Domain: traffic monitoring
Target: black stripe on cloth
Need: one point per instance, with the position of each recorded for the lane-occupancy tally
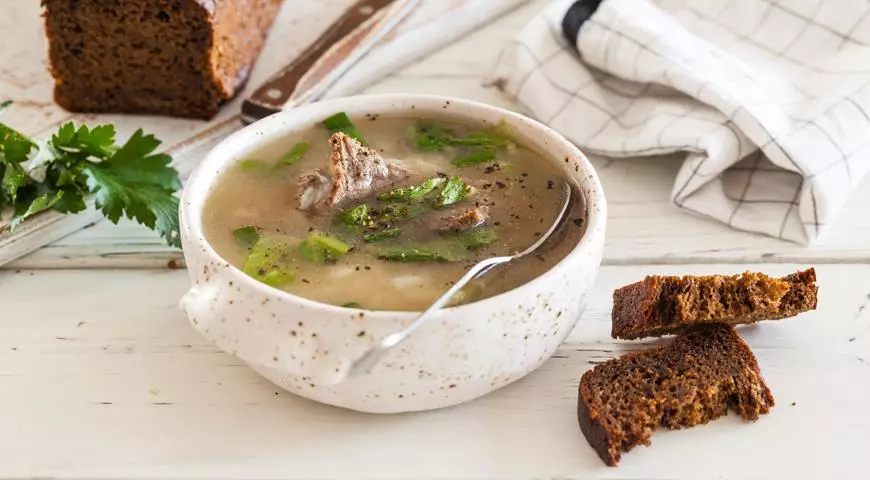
(576, 16)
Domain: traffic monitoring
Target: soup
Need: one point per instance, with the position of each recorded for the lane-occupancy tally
(387, 213)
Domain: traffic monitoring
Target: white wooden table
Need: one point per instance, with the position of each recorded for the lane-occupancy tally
(101, 375)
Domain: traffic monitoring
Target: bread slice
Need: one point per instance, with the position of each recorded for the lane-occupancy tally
(691, 381)
(666, 305)
(179, 58)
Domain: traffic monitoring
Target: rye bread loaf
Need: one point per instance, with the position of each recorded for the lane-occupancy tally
(179, 58)
(690, 381)
(662, 305)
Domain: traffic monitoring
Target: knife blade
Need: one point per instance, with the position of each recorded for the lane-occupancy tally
(364, 16)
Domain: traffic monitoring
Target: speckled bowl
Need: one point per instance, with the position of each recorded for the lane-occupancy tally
(465, 352)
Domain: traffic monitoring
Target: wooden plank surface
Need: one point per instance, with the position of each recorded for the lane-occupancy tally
(644, 226)
(102, 377)
(109, 380)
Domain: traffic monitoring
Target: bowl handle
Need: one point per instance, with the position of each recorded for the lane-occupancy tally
(198, 305)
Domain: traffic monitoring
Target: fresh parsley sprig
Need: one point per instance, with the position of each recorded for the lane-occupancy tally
(128, 180)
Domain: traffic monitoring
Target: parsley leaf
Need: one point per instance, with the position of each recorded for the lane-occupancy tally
(295, 154)
(432, 138)
(39, 204)
(247, 236)
(474, 158)
(129, 180)
(456, 190)
(340, 122)
(271, 261)
(414, 192)
(16, 147)
(72, 201)
(96, 142)
(14, 178)
(138, 185)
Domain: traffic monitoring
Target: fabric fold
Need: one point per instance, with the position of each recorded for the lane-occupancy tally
(768, 100)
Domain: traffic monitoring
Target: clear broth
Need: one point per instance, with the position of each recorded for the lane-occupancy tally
(526, 192)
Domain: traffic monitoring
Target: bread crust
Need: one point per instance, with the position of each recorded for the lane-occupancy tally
(590, 424)
(665, 305)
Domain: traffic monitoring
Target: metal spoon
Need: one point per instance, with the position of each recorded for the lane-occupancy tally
(371, 357)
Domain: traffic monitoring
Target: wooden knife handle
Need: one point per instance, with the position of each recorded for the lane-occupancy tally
(274, 94)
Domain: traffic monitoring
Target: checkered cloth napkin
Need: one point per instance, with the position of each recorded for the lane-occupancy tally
(768, 99)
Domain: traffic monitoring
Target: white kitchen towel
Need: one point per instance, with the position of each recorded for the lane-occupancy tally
(432, 25)
(769, 99)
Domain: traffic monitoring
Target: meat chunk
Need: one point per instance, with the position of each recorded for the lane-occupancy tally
(313, 186)
(461, 219)
(358, 172)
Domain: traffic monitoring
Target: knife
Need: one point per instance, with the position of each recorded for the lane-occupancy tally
(323, 63)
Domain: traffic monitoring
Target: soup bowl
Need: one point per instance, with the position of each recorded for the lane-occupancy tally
(463, 353)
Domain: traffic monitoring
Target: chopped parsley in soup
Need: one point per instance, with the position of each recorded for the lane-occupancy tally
(386, 213)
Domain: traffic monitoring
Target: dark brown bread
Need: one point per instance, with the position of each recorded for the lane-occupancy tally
(691, 381)
(179, 58)
(665, 305)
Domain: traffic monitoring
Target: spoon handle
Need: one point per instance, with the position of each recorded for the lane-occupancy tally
(470, 275)
(372, 356)
(369, 359)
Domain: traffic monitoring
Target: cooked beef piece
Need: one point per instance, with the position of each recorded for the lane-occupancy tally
(312, 187)
(460, 219)
(358, 172)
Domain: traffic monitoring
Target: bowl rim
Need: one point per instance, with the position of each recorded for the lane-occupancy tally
(202, 180)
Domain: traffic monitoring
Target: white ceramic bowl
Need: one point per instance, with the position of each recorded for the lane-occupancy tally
(465, 352)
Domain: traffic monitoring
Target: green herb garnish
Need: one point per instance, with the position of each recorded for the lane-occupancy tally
(454, 191)
(340, 122)
(251, 165)
(431, 138)
(271, 261)
(397, 212)
(38, 204)
(352, 305)
(414, 192)
(412, 255)
(490, 140)
(441, 250)
(322, 248)
(474, 158)
(127, 180)
(295, 154)
(476, 238)
(357, 216)
(383, 235)
(247, 236)
(377, 222)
